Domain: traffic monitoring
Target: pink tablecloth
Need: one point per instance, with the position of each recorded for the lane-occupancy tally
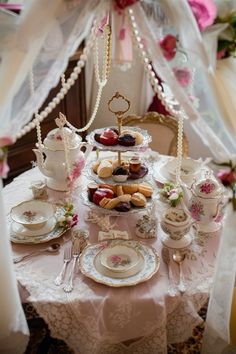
(95, 318)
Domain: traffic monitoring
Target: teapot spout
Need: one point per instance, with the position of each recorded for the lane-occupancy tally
(40, 163)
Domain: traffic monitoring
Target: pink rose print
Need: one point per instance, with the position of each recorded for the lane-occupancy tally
(183, 76)
(204, 12)
(207, 188)
(115, 259)
(220, 54)
(168, 46)
(196, 210)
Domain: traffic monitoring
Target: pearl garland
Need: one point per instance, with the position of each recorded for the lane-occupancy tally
(179, 149)
(148, 68)
(100, 81)
(180, 115)
(63, 91)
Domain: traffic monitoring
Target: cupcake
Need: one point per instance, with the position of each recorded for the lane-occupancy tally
(120, 174)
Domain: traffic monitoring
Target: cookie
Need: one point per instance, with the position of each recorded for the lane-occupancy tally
(138, 200)
(130, 188)
(145, 190)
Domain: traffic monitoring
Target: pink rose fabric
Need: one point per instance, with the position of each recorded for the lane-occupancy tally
(204, 12)
(168, 46)
(183, 76)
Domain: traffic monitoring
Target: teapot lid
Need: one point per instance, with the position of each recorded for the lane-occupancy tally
(208, 188)
(54, 140)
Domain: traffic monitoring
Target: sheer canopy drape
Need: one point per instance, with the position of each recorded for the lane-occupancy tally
(42, 39)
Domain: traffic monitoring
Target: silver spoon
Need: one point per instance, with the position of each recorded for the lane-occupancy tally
(54, 247)
(166, 259)
(179, 257)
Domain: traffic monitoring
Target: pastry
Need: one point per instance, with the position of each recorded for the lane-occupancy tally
(124, 163)
(140, 174)
(138, 199)
(101, 193)
(130, 188)
(92, 187)
(120, 174)
(104, 169)
(113, 188)
(119, 190)
(145, 190)
(107, 203)
(126, 140)
(138, 138)
(125, 198)
(134, 164)
(103, 202)
(109, 137)
(123, 206)
(95, 165)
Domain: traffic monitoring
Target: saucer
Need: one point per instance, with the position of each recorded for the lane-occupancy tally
(119, 258)
(118, 275)
(185, 241)
(21, 230)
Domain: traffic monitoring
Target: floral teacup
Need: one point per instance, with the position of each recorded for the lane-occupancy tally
(176, 223)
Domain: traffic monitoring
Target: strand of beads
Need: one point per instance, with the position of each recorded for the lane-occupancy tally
(36, 120)
(149, 70)
(179, 149)
(100, 81)
(64, 89)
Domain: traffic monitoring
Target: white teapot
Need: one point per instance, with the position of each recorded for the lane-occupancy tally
(53, 166)
(205, 203)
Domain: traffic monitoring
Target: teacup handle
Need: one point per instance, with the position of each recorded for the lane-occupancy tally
(88, 148)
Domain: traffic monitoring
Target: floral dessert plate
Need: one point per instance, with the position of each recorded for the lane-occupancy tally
(21, 230)
(146, 139)
(147, 266)
(119, 258)
(56, 232)
(133, 210)
(132, 178)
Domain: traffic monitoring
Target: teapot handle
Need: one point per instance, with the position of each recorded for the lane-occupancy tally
(218, 215)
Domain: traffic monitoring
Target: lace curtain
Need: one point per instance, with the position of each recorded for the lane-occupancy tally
(43, 37)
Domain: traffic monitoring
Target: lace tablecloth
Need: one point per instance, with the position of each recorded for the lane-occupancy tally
(95, 318)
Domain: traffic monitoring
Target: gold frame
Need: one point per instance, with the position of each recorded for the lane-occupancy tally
(164, 120)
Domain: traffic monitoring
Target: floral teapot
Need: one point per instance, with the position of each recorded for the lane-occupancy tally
(55, 165)
(205, 202)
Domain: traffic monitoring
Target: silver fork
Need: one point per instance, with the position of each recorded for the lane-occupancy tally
(70, 285)
(67, 258)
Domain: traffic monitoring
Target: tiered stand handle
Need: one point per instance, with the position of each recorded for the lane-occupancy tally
(119, 115)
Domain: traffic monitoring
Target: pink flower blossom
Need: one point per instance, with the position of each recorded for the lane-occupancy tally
(4, 168)
(5, 141)
(204, 12)
(220, 54)
(122, 4)
(183, 76)
(168, 46)
(226, 177)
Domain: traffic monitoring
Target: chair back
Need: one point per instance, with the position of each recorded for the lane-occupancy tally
(163, 129)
